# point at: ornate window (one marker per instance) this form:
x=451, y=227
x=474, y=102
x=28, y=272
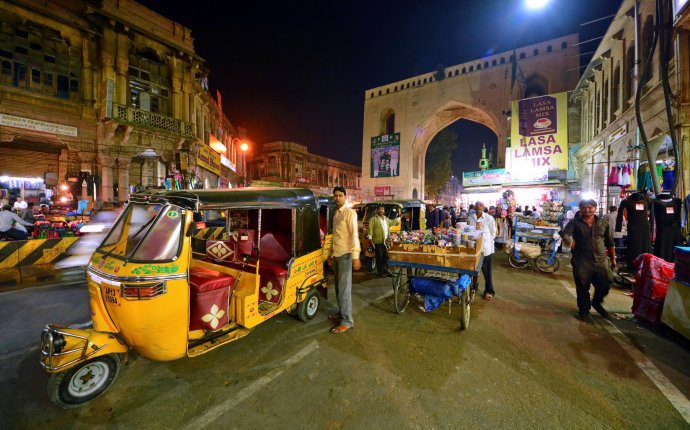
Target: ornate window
x=149, y=83
x=37, y=58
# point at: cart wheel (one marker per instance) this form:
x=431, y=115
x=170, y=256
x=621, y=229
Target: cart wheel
x=519, y=262
x=542, y=263
x=307, y=309
x=84, y=382
x=465, y=302
x=401, y=288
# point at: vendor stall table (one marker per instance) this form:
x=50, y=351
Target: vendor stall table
x=408, y=261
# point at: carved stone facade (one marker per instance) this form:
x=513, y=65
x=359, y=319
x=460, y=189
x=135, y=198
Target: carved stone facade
x=122, y=86
x=479, y=90
x=290, y=164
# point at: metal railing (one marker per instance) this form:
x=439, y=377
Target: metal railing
x=153, y=120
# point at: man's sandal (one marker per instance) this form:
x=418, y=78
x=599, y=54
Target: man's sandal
x=340, y=329
x=335, y=317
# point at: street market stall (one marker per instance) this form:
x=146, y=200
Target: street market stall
x=535, y=244
x=440, y=266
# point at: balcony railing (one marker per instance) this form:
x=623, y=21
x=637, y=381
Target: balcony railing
x=153, y=120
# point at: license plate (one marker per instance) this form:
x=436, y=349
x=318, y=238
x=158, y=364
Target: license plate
x=111, y=294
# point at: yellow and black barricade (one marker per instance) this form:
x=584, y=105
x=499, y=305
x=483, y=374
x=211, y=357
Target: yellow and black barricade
x=34, y=252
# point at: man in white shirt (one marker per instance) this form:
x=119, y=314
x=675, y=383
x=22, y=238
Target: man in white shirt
x=19, y=205
x=343, y=259
x=488, y=228
x=11, y=225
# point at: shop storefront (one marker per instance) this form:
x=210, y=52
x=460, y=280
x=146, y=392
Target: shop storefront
x=208, y=171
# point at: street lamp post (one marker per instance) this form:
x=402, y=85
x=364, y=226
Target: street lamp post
x=244, y=147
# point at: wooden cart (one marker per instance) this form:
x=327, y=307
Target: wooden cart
x=410, y=260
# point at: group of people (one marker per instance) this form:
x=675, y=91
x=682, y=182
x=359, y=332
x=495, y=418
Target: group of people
x=590, y=239
x=14, y=219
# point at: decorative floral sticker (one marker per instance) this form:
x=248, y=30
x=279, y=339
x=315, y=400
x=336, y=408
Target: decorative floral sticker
x=150, y=269
x=173, y=214
x=214, y=316
x=269, y=291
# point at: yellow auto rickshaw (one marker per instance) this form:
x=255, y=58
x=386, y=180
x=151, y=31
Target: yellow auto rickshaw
x=412, y=215
x=165, y=289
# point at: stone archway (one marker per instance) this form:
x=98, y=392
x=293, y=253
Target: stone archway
x=448, y=114
x=479, y=90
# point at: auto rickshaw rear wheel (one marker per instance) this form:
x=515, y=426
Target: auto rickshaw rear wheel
x=307, y=309
x=84, y=382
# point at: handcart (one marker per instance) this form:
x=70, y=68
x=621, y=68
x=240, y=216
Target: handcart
x=415, y=260
x=541, y=254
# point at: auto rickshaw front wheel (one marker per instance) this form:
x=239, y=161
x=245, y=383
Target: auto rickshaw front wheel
x=307, y=309
x=83, y=382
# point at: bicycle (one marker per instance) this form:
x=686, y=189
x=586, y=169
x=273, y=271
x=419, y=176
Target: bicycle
x=524, y=254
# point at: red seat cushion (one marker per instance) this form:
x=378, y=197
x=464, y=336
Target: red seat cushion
x=275, y=246
x=202, y=280
x=209, y=297
x=276, y=269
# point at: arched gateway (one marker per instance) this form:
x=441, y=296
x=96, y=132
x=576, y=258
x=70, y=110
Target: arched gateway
x=401, y=118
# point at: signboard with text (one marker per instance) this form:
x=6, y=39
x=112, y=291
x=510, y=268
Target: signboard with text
x=35, y=125
x=385, y=155
x=382, y=191
x=208, y=159
x=484, y=177
x=539, y=134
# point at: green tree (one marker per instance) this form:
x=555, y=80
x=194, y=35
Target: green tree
x=437, y=166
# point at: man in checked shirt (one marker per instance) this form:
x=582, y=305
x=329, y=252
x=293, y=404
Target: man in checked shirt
x=343, y=259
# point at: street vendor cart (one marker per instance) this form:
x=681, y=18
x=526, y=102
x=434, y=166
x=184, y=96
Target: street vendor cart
x=536, y=244
x=410, y=261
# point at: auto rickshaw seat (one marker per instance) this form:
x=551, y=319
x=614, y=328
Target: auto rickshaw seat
x=202, y=280
x=210, y=293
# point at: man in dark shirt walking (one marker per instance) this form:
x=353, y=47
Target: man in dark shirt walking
x=594, y=256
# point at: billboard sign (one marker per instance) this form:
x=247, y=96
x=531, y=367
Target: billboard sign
x=539, y=136
x=385, y=156
x=484, y=177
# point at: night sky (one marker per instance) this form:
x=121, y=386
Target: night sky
x=297, y=71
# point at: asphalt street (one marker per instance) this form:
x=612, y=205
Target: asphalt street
x=525, y=361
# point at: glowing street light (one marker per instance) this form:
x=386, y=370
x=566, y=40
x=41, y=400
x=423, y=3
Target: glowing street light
x=244, y=147
x=536, y=4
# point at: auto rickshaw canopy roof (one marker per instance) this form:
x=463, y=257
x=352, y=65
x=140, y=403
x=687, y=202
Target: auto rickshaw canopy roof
x=245, y=198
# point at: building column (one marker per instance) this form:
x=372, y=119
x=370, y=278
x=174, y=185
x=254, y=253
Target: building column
x=186, y=111
x=123, y=163
x=122, y=66
x=105, y=167
x=86, y=165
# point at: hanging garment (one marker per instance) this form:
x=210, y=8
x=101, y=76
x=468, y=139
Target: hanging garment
x=625, y=176
x=613, y=176
x=636, y=211
x=668, y=176
x=644, y=178
x=631, y=170
x=666, y=217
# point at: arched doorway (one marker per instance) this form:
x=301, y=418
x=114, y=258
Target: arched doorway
x=456, y=149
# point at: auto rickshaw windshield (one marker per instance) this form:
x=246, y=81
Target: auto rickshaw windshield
x=145, y=232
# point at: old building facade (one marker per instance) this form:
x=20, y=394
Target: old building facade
x=107, y=96
x=609, y=135
x=290, y=164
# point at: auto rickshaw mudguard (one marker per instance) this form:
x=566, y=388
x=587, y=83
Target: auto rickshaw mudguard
x=63, y=347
